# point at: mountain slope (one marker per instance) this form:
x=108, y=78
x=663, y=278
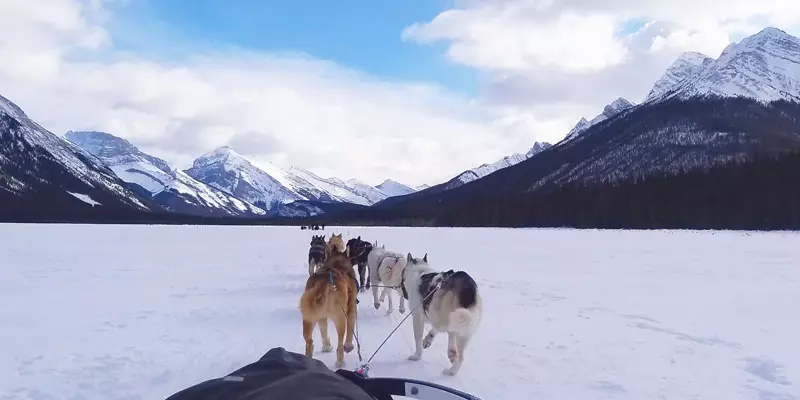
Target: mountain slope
x=45, y=174
x=686, y=67
x=226, y=170
x=172, y=189
x=371, y=193
x=486, y=169
x=764, y=66
x=269, y=186
x=609, y=111
x=670, y=137
x=393, y=188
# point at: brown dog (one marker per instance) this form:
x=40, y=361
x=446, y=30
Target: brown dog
x=335, y=245
x=330, y=293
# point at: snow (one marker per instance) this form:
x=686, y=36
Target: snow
x=76, y=161
x=764, y=66
x=686, y=67
x=486, y=169
x=393, y=188
x=505, y=162
x=271, y=182
x=154, y=174
x=568, y=314
x=610, y=110
x=85, y=198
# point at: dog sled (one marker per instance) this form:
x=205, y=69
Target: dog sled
x=281, y=374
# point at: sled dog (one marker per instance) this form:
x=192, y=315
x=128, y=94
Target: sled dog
x=448, y=301
x=316, y=253
x=359, y=252
x=385, y=270
x=330, y=293
x=335, y=244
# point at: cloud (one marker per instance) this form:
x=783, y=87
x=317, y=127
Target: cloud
x=544, y=64
x=554, y=61
x=285, y=108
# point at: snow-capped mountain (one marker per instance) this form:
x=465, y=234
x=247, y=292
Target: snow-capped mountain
x=422, y=187
x=610, y=110
x=40, y=168
x=268, y=185
x=764, y=66
x=313, y=187
x=172, y=189
x=686, y=67
x=369, y=192
x=505, y=162
x=537, y=148
x=393, y=188
x=226, y=170
x=652, y=141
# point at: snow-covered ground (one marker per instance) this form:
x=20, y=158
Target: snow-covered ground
x=140, y=312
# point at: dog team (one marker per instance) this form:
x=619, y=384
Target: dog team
x=447, y=301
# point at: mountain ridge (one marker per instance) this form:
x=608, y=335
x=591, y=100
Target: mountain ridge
x=173, y=189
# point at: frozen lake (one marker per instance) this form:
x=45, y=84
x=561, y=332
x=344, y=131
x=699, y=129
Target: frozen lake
x=140, y=312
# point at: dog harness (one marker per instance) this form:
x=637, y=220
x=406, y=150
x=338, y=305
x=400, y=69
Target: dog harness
x=385, y=256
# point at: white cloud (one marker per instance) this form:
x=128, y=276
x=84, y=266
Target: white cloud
x=511, y=36
x=554, y=61
x=546, y=63
x=284, y=108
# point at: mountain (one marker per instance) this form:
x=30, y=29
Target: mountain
x=371, y=193
x=659, y=139
x=686, y=67
x=313, y=187
x=422, y=187
x=45, y=176
x=224, y=169
x=393, y=188
x=610, y=110
x=486, y=169
x=173, y=189
x=272, y=188
x=764, y=66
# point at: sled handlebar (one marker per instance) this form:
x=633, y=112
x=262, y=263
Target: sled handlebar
x=385, y=388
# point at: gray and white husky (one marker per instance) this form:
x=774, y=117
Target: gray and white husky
x=386, y=271
x=448, y=301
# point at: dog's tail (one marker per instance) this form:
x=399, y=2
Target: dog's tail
x=463, y=321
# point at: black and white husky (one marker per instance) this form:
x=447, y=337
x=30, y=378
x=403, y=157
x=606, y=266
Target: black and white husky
x=448, y=301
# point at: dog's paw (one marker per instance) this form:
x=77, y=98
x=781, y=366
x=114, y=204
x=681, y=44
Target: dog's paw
x=452, y=355
x=377, y=305
x=449, y=372
x=348, y=348
x=389, y=312
x=402, y=310
x=339, y=364
x=327, y=348
x=427, y=341
x=415, y=357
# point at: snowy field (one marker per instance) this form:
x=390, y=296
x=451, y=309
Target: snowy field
x=140, y=312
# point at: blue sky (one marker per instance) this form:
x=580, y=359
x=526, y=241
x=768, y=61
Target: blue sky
x=362, y=35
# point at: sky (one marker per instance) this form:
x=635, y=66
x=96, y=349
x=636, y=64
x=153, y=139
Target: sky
x=412, y=90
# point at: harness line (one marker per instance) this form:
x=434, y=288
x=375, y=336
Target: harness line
x=435, y=289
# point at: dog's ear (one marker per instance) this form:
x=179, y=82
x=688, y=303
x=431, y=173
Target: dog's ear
x=410, y=259
x=359, y=237
x=425, y=258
